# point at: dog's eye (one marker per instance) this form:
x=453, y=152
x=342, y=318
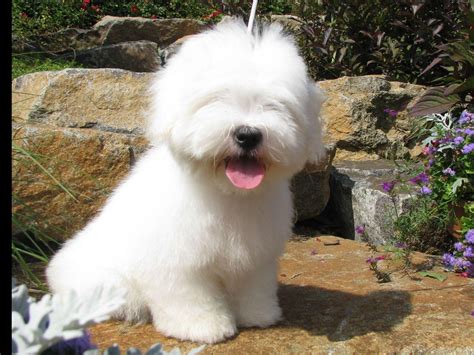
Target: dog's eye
x=271, y=107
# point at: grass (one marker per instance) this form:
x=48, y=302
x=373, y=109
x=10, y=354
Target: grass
x=31, y=246
x=25, y=64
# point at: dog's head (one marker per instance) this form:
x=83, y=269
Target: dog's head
x=238, y=106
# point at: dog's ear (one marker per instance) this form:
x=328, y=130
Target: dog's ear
x=316, y=149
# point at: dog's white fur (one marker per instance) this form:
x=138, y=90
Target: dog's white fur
x=196, y=253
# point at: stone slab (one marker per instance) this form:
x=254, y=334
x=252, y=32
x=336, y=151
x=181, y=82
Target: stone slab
x=332, y=304
x=357, y=199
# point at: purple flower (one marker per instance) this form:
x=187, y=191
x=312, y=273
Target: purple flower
x=470, y=236
x=449, y=171
x=430, y=163
x=468, y=148
x=458, y=140
x=360, y=229
x=73, y=346
x=391, y=113
x=467, y=131
x=461, y=264
x=425, y=190
x=429, y=150
x=448, y=260
x=445, y=140
x=466, y=117
x=470, y=270
x=420, y=178
x=469, y=252
x=388, y=186
x=459, y=246
x=401, y=245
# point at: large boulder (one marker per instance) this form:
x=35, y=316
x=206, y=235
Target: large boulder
x=88, y=126
x=138, y=56
x=110, y=100
x=366, y=117
x=62, y=176
x=311, y=189
x=161, y=31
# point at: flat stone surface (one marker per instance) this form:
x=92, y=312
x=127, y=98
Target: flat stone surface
x=333, y=304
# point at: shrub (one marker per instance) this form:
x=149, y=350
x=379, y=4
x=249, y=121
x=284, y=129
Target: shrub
x=396, y=38
x=445, y=182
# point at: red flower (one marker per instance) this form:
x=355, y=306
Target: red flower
x=95, y=8
x=134, y=9
x=85, y=3
x=153, y=17
x=24, y=15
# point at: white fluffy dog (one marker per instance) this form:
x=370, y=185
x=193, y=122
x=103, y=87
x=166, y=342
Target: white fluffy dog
x=194, y=233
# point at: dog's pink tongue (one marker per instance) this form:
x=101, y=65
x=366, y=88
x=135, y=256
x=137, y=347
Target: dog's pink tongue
x=245, y=173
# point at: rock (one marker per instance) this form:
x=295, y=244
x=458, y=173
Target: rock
x=357, y=199
x=116, y=42
x=67, y=40
x=137, y=56
x=172, y=49
x=310, y=187
x=88, y=163
x=356, y=121
x=111, y=100
x=161, y=31
x=332, y=303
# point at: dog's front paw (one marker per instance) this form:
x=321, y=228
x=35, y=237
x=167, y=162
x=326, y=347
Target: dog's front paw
x=207, y=328
x=259, y=316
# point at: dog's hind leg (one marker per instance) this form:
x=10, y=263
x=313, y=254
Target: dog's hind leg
x=67, y=271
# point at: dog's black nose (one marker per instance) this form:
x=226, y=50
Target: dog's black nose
x=247, y=137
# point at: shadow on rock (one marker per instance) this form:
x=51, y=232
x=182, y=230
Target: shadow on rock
x=340, y=315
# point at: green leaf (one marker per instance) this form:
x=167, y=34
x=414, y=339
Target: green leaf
x=458, y=183
x=433, y=100
x=464, y=86
x=434, y=275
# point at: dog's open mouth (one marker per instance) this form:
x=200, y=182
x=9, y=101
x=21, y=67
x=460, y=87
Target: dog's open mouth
x=245, y=172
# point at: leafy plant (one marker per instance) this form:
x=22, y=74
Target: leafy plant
x=395, y=38
x=381, y=276
x=36, y=326
x=57, y=324
x=458, y=59
x=446, y=180
x=449, y=155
